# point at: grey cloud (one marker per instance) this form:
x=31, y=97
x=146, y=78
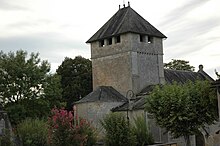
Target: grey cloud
x=43, y=40
x=179, y=13
x=203, y=27
x=50, y=47
x=186, y=49
x=215, y=55
x=24, y=24
x=190, y=36
x=5, y=5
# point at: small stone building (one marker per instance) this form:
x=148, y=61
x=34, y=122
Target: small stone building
x=127, y=57
x=98, y=103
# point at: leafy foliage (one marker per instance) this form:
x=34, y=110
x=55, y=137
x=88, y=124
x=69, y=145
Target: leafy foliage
x=183, y=109
x=76, y=78
x=5, y=140
x=53, y=91
x=21, y=78
x=176, y=64
x=22, y=81
x=67, y=130
x=141, y=131
x=33, y=132
x=118, y=131
x=35, y=108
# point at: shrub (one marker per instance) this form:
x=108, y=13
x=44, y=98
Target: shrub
x=6, y=138
x=118, y=131
x=67, y=130
x=89, y=131
x=33, y=132
x=141, y=131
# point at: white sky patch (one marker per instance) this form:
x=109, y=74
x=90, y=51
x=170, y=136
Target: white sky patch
x=57, y=29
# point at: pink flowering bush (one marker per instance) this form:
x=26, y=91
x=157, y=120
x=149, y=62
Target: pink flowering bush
x=68, y=130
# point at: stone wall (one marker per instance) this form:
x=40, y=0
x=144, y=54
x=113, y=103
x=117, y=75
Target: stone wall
x=113, y=71
x=94, y=112
x=213, y=137
x=128, y=65
x=149, y=58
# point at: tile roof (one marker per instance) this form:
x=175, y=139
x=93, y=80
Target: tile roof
x=178, y=76
x=123, y=21
x=216, y=83
x=182, y=77
x=171, y=76
x=138, y=103
x=104, y=94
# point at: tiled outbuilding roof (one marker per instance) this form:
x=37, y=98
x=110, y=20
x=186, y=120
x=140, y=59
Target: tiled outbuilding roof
x=104, y=94
x=137, y=104
x=216, y=84
x=171, y=76
x=182, y=77
x=123, y=21
x=179, y=76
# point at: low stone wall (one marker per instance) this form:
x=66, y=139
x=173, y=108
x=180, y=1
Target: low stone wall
x=164, y=144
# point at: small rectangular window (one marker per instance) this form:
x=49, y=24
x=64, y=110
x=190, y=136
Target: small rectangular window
x=109, y=41
x=101, y=43
x=142, y=38
x=117, y=39
x=150, y=39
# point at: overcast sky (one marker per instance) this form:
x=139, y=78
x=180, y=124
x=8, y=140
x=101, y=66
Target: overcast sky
x=59, y=28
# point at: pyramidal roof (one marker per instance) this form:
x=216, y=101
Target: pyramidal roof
x=123, y=21
x=104, y=94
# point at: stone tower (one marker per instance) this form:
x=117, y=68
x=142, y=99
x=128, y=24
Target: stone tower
x=127, y=53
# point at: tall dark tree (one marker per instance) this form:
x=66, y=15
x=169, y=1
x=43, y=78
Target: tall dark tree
x=184, y=109
x=22, y=80
x=53, y=91
x=176, y=64
x=76, y=78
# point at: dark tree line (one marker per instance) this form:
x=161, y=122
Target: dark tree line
x=25, y=86
x=76, y=78
x=28, y=89
x=177, y=64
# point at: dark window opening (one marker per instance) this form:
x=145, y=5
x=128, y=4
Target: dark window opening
x=118, y=39
x=142, y=38
x=101, y=43
x=109, y=41
x=150, y=39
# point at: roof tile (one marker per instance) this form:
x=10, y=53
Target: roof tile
x=123, y=21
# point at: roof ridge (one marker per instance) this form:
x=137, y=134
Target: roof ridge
x=123, y=21
x=120, y=24
x=103, y=93
x=181, y=70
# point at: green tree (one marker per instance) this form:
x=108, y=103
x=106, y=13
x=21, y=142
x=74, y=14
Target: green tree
x=33, y=132
x=76, y=78
x=176, y=64
x=22, y=81
x=141, y=130
x=118, y=131
x=53, y=91
x=183, y=109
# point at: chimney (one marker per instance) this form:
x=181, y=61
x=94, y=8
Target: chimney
x=200, y=67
